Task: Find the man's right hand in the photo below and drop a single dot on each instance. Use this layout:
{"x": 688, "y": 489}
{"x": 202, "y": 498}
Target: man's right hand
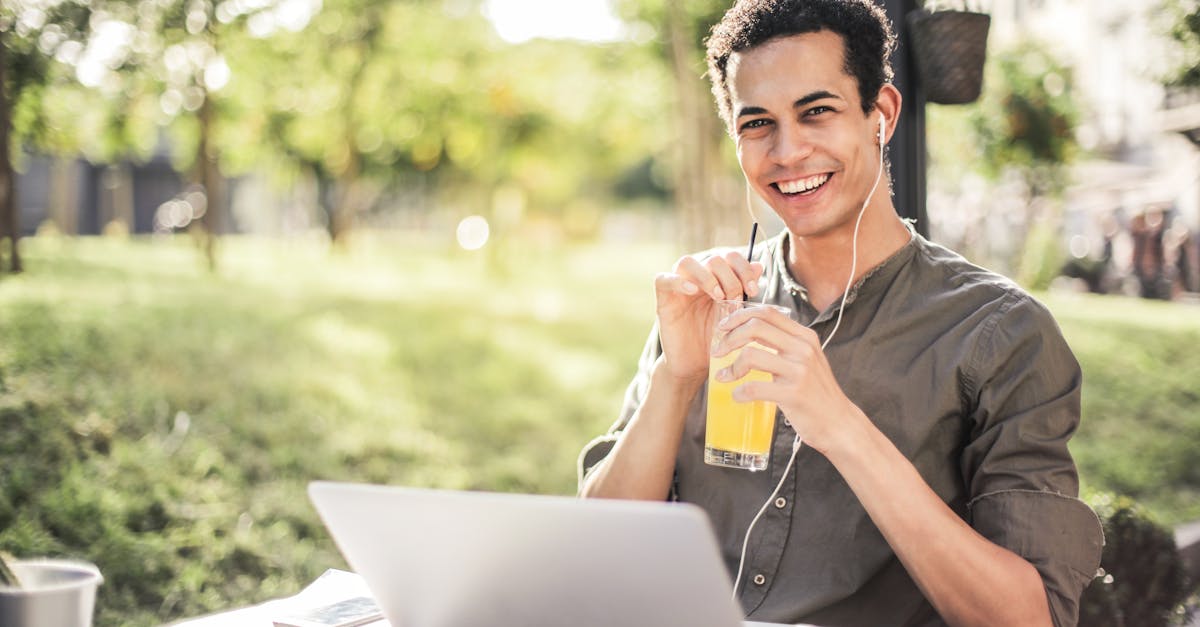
{"x": 685, "y": 307}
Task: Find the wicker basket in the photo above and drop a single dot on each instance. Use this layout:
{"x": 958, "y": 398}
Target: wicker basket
{"x": 949, "y": 48}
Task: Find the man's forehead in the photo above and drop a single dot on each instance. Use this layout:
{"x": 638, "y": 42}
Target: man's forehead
{"x": 818, "y": 57}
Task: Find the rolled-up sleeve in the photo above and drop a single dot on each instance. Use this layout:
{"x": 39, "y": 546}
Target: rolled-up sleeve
{"x": 1022, "y": 482}
{"x": 598, "y": 449}
{"x": 1058, "y": 534}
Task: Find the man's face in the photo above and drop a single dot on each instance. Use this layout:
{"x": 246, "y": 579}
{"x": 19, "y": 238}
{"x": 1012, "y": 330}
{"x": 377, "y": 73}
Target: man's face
{"x": 802, "y": 139}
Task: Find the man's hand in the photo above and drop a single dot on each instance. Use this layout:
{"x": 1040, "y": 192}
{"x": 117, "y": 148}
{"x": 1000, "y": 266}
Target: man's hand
{"x": 642, "y": 463}
{"x": 967, "y": 578}
{"x": 685, "y": 307}
{"x": 803, "y": 384}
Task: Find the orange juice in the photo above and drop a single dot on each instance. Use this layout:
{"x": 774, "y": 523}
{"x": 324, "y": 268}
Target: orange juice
{"x": 737, "y": 434}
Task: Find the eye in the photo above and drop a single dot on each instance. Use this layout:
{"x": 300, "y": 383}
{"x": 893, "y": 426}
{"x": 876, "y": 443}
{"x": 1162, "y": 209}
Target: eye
{"x": 818, "y": 110}
{"x": 753, "y": 124}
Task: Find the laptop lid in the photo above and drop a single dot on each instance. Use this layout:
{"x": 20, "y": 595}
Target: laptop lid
{"x": 437, "y": 558}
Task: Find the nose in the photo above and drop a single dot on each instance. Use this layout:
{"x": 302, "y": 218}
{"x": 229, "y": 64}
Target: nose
{"x": 791, "y": 144}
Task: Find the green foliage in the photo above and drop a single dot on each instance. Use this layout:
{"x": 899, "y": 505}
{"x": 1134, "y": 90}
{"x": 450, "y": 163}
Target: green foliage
{"x": 1024, "y": 122}
{"x": 1026, "y": 118}
{"x": 365, "y": 97}
{"x": 1042, "y": 259}
{"x": 163, "y": 423}
{"x": 1141, "y": 408}
{"x": 414, "y": 88}
{"x": 1185, "y": 30}
{"x": 30, "y": 35}
{"x": 1144, "y": 582}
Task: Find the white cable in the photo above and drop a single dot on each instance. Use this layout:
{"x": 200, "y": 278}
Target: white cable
{"x": 746, "y": 541}
{"x": 737, "y": 582}
{"x": 854, "y": 251}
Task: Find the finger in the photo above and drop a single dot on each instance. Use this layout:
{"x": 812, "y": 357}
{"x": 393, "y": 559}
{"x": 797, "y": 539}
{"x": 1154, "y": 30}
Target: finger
{"x": 747, "y": 272}
{"x": 692, "y": 270}
{"x": 776, "y": 316}
{"x": 751, "y": 391}
{"x": 766, "y": 334}
{"x": 668, "y": 282}
{"x": 769, "y": 391}
{"x": 731, "y": 285}
{"x": 762, "y": 360}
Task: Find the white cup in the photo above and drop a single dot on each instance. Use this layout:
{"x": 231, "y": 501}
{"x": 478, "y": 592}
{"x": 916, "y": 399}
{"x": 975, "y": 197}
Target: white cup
{"x": 53, "y": 593}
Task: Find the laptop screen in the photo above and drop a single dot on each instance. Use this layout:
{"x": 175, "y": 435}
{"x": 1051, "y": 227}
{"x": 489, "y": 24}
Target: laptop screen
{"x": 437, "y": 558}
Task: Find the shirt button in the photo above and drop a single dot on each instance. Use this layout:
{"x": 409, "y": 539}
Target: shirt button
{"x": 759, "y": 580}
{"x": 780, "y": 502}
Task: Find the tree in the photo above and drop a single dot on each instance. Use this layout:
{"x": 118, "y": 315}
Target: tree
{"x": 393, "y": 93}
{"x": 185, "y": 58}
{"x": 706, "y": 187}
{"x": 32, "y": 36}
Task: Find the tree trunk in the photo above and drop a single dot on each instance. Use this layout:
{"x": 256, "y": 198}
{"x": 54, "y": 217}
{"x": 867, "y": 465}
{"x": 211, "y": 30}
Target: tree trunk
{"x": 346, "y": 205}
{"x": 350, "y": 196}
{"x": 64, "y": 205}
{"x": 9, "y": 217}
{"x": 325, "y": 200}
{"x": 707, "y": 209}
{"x": 208, "y": 177}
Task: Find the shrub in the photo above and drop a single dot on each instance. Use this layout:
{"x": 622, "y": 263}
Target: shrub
{"x": 1143, "y": 581}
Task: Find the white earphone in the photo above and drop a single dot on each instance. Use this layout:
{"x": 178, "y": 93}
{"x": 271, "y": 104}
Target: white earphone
{"x": 796, "y": 444}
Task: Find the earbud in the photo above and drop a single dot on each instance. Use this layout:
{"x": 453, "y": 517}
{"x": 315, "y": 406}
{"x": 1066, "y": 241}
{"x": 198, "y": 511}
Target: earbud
{"x": 881, "y": 130}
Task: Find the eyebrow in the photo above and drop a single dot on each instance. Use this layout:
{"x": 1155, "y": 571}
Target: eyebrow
{"x": 810, "y": 98}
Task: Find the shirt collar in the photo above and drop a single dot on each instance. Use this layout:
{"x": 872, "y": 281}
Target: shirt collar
{"x": 873, "y": 280}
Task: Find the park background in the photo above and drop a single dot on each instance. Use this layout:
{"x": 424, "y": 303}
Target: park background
{"x": 262, "y": 242}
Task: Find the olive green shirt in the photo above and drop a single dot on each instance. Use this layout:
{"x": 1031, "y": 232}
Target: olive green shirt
{"x": 973, "y": 382}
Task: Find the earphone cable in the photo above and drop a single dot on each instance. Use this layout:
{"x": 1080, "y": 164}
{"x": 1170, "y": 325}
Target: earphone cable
{"x": 737, "y": 582}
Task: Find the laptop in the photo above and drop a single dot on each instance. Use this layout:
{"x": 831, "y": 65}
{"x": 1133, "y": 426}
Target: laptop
{"x": 440, "y": 558}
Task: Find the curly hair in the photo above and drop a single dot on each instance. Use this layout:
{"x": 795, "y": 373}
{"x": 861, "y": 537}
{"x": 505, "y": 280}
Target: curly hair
{"x": 863, "y": 25}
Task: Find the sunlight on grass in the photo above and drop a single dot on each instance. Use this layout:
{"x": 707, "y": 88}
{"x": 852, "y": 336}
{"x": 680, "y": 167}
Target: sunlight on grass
{"x": 1141, "y": 399}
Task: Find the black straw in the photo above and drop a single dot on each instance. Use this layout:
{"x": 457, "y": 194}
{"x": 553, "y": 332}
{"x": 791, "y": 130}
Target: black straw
{"x": 750, "y": 255}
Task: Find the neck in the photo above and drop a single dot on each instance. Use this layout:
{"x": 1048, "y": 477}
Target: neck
{"x": 822, "y": 263}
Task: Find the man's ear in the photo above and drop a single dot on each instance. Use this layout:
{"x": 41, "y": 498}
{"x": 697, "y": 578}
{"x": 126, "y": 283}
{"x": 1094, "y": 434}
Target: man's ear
{"x": 888, "y": 105}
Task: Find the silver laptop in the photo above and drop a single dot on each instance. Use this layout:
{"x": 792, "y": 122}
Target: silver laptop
{"x": 435, "y": 558}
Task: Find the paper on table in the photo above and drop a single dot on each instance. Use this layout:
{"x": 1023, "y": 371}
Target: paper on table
{"x": 333, "y": 585}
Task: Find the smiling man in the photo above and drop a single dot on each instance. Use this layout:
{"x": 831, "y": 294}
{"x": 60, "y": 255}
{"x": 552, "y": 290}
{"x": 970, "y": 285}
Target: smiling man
{"x": 934, "y": 399}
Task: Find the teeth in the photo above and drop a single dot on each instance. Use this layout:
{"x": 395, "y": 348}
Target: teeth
{"x": 803, "y": 185}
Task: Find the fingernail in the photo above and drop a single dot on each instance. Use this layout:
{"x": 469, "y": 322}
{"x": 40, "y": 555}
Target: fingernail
{"x": 724, "y": 375}
{"x": 689, "y": 288}
{"x": 718, "y": 294}
{"x": 752, "y": 289}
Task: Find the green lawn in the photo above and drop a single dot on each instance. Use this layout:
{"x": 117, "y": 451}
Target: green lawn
{"x": 1141, "y": 399}
{"x": 163, "y": 422}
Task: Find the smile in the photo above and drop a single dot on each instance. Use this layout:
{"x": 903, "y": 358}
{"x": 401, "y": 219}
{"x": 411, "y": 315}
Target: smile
{"x": 804, "y": 185}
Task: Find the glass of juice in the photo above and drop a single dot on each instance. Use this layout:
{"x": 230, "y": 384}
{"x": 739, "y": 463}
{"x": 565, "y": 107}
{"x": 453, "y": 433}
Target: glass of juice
{"x": 737, "y": 435}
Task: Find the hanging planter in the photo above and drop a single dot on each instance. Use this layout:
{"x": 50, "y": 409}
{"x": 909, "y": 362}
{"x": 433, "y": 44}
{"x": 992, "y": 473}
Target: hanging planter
{"x": 949, "y": 46}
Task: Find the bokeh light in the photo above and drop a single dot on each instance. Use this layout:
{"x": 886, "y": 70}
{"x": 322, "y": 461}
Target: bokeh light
{"x": 473, "y": 232}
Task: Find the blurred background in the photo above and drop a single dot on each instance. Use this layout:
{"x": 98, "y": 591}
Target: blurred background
{"x": 251, "y": 243}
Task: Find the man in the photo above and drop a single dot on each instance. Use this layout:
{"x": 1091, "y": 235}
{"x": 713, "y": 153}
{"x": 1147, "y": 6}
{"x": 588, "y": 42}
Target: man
{"x": 934, "y": 483}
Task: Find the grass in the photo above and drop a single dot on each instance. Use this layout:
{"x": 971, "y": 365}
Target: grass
{"x": 1141, "y": 399}
{"x": 163, "y": 422}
